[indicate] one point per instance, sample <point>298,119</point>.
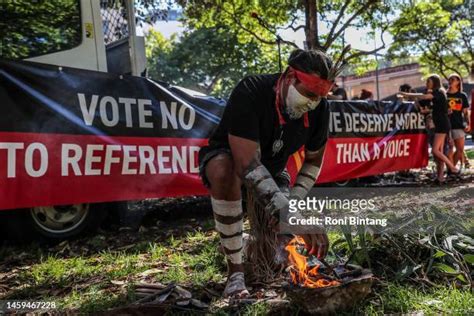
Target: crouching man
<point>266,120</point>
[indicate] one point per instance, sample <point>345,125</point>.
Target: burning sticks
<point>327,292</point>
<point>301,272</point>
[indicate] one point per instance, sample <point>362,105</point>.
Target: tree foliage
<point>151,11</point>
<point>439,31</point>
<point>227,40</point>
<point>208,59</point>
<point>31,29</point>
<point>262,20</point>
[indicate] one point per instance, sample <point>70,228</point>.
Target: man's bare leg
<point>227,207</point>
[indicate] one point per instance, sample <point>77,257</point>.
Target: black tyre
<point>346,183</point>
<point>53,222</point>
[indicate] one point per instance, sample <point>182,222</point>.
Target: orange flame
<point>300,273</point>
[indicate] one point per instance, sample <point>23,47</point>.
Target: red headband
<point>313,82</point>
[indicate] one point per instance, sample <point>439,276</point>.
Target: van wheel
<point>54,222</point>
<point>346,183</point>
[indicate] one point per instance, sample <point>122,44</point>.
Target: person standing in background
<point>407,88</point>
<point>366,95</point>
<point>337,93</point>
<point>437,95</point>
<point>458,107</point>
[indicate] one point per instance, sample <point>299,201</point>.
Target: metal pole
<point>377,77</point>
<point>343,46</point>
<point>132,32</point>
<point>376,70</point>
<point>279,52</point>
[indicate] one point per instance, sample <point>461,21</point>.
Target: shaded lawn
<point>95,273</point>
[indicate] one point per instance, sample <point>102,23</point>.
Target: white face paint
<point>297,104</point>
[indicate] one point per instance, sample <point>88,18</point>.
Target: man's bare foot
<point>235,287</point>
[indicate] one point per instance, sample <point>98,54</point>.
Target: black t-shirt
<point>340,92</point>
<point>426,103</point>
<point>457,102</point>
<point>440,106</point>
<point>250,113</point>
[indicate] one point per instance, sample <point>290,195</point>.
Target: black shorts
<point>442,125</point>
<point>206,153</point>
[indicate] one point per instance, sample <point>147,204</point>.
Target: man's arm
<point>334,97</point>
<point>255,176</point>
<point>468,120</point>
<point>306,179</point>
<point>259,181</point>
<point>308,174</point>
<point>418,96</point>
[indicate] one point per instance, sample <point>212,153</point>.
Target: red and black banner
<point>75,136</point>
<point>371,138</point>
<point>472,112</point>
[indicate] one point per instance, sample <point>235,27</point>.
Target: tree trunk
<point>471,74</point>
<point>311,28</point>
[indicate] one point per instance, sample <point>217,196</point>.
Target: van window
<point>37,27</point>
<point>114,20</point>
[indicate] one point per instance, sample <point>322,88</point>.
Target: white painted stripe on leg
<point>226,208</point>
<point>310,169</point>
<point>235,258</point>
<point>229,229</point>
<point>233,243</point>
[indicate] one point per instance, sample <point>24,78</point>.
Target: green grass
<point>197,237</point>
<point>256,309</point>
<point>202,264</point>
<point>470,154</point>
<point>83,283</point>
<point>156,251</point>
<point>91,300</point>
<point>60,271</point>
<point>407,299</point>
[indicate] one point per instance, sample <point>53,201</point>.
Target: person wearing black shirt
<point>458,108</point>
<point>442,126</point>
<point>266,120</point>
<point>337,93</point>
<point>407,88</point>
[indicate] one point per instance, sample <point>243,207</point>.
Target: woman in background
<point>366,94</point>
<point>458,110</point>
<point>437,95</point>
